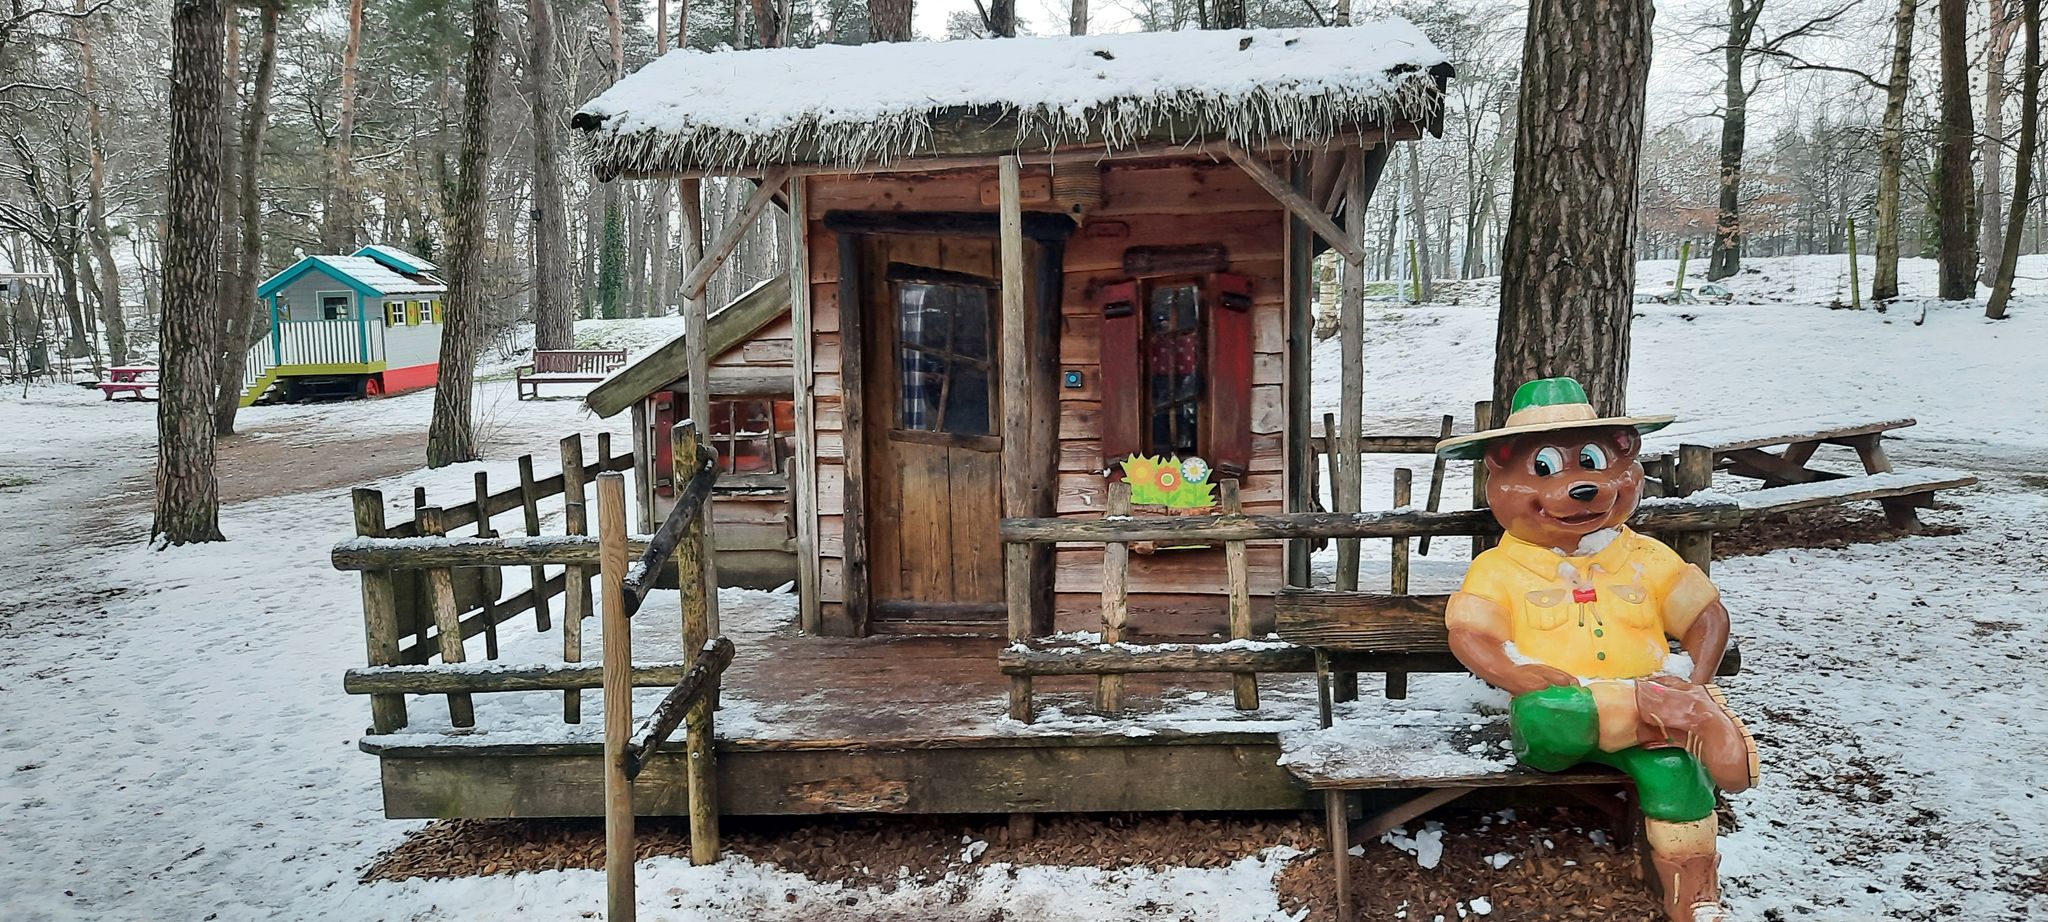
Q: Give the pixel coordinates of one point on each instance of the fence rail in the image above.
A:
(324, 342)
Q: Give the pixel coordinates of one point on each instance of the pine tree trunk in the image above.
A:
(889, 20)
(2023, 166)
(554, 318)
(1568, 267)
(451, 437)
(1957, 253)
(187, 496)
(240, 322)
(1999, 31)
(338, 228)
(1891, 157)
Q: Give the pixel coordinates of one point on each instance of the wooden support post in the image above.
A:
(685, 439)
(729, 237)
(618, 699)
(1116, 596)
(529, 502)
(1482, 418)
(1244, 686)
(1695, 472)
(1898, 513)
(1343, 686)
(576, 579)
(1351, 335)
(697, 364)
(1340, 850)
(380, 613)
(447, 619)
(1349, 244)
(803, 486)
(1397, 582)
(1436, 482)
(1016, 407)
(493, 581)
(643, 472)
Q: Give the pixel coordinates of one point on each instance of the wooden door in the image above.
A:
(933, 428)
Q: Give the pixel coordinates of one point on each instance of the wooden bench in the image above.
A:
(134, 389)
(567, 366)
(1444, 752)
(1777, 452)
(1901, 492)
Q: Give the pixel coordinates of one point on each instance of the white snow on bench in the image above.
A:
(1841, 489)
(1723, 436)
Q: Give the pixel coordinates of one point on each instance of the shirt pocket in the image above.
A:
(1632, 605)
(1547, 609)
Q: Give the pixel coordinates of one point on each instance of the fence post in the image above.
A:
(618, 699)
(1244, 686)
(380, 613)
(492, 580)
(1693, 473)
(1482, 418)
(575, 579)
(1397, 581)
(529, 500)
(1436, 482)
(701, 757)
(1116, 582)
(447, 619)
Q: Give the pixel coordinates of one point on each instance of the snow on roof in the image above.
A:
(397, 258)
(383, 278)
(851, 104)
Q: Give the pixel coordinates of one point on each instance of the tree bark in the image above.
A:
(239, 324)
(1568, 265)
(338, 219)
(1884, 283)
(112, 321)
(767, 23)
(1228, 14)
(451, 437)
(1002, 18)
(1956, 254)
(611, 260)
(187, 496)
(554, 318)
(1999, 31)
(1726, 258)
(1077, 18)
(1420, 223)
(889, 20)
(2029, 155)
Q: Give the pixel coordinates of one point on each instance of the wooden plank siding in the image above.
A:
(1147, 203)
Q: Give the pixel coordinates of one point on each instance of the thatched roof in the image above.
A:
(845, 105)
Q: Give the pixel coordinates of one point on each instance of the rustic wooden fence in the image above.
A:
(1242, 657)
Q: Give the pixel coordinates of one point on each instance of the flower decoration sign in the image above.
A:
(1172, 483)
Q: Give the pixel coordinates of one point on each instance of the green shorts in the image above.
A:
(1559, 727)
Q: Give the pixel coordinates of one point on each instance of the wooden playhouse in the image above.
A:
(362, 325)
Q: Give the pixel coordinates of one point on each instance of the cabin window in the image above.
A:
(1177, 360)
(749, 432)
(334, 307)
(1172, 335)
(437, 311)
(394, 313)
(943, 345)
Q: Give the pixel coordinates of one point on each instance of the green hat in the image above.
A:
(1545, 405)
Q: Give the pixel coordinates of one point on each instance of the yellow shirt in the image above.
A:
(1600, 616)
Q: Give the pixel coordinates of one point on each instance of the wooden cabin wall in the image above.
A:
(1148, 203)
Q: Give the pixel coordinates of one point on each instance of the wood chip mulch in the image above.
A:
(1555, 867)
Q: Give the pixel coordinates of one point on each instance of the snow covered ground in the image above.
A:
(176, 745)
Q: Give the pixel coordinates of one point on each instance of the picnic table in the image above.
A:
(1780, 452)
(132, 380)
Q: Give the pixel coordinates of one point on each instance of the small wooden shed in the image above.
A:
(1017, 263)
(362, 325)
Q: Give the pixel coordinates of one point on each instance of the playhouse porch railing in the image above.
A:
(324, 342)
(1242, 657)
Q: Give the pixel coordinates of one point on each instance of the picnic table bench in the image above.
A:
(1445, 752)
(1779, 453)
(132, 380)
(566, 366)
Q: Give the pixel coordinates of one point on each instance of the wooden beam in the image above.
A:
(618, 700)
(1016, 407)
(1300, 301)
(1351, 245)
(1347, 492)
(1667, 515)
(497, 677)
(853, 331)
(700, 681)
(804, 488)
(729, 236)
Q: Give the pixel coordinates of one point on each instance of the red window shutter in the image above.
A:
(661, 421)
(1121, 379)
(1227, 424)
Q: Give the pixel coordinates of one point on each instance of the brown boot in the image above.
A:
(1692, 887)
(1697, 718)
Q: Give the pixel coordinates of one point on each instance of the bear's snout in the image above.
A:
(1583, 492)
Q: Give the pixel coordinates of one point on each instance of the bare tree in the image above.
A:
(112, 322)
(2029, 156)
(187, 495)
(451, 437)
(1420, 223)
(1077, 18)
(1568, 266)
(239, 323)
(2001, 27)
(1884, 283)
(1956, 254)
(339, 220)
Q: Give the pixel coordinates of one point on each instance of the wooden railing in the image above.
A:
(324, 342)
(1244, 657)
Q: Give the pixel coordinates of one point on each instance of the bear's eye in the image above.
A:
(1548, 461)
(1593, 458)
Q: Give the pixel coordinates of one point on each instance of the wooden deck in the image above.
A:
(900, 724)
